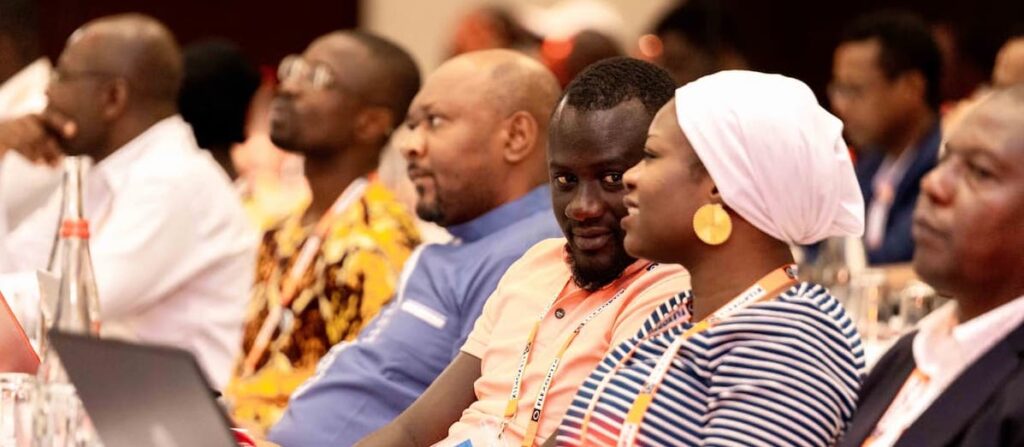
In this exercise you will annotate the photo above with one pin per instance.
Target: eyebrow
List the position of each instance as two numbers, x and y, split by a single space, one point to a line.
608 163
951 149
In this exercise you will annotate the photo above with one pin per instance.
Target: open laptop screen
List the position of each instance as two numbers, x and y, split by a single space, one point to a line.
143 395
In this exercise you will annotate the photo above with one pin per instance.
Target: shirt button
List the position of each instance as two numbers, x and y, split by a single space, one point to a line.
559 313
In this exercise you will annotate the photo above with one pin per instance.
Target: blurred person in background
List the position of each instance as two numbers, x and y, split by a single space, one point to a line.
215 97
24 74
172 249
474 141
1007 70
959 379
567 58
330 264
490 27
885 88
1009 67
698 37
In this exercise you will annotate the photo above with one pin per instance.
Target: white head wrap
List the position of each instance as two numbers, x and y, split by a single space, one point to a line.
777 157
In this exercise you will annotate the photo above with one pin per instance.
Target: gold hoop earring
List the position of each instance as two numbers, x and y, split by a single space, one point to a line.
712 224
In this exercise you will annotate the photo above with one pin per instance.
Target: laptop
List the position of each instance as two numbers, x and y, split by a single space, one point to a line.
18 355
143 395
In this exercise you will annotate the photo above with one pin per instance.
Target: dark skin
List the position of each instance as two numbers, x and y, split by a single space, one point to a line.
595 148
588 154
473 151
443 127
603 145
116 77
669 185
335 128
34 138
891 114
968 218
665 190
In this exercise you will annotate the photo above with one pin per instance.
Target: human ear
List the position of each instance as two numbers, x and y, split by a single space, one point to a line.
521 132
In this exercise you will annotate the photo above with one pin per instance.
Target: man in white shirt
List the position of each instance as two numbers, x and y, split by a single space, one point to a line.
24 73
959 380
172 248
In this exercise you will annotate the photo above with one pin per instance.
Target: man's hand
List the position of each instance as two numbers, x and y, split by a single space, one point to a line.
36 137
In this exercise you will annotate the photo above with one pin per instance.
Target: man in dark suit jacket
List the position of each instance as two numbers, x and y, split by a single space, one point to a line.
896 244
885 88
959 380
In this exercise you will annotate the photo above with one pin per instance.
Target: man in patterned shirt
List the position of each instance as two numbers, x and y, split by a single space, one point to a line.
327 269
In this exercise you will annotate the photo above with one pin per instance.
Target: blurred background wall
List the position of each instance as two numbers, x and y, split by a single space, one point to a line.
793 37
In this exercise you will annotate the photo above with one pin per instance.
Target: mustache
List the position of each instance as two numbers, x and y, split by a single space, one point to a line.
282 103
612 226
416 171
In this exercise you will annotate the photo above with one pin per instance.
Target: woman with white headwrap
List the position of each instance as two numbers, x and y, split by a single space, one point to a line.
738 166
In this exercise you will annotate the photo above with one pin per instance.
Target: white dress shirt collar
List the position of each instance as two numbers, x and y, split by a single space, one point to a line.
116 168
943 348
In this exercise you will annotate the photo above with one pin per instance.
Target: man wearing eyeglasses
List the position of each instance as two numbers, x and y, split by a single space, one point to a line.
474 141
171 245
325 269
885 88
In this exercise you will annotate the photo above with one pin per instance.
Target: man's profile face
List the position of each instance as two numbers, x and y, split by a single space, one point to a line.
315 106
589 151
861 94
452 145
969 221
75 93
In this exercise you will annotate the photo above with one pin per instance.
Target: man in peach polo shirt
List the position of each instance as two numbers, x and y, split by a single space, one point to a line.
566 302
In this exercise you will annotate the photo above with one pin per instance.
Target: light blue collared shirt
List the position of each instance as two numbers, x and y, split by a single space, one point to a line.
362 385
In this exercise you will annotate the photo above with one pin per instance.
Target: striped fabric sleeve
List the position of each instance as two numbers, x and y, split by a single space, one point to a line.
780 375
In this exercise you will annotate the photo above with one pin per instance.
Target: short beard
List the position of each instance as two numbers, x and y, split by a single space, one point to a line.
591 279
432 214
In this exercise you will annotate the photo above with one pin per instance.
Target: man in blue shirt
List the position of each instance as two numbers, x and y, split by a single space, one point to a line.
476 147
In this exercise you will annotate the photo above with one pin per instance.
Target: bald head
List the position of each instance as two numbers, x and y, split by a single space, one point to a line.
507 81
116 77
133 46
478 134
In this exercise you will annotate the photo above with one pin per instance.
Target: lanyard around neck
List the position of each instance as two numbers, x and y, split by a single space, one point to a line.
512 406
767 287
301 265
900 414
315 240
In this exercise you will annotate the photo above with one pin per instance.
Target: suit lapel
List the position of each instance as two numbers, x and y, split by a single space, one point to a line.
925 158
962 401
879 390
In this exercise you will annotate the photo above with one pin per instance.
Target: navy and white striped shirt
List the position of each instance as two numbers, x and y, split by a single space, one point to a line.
783 372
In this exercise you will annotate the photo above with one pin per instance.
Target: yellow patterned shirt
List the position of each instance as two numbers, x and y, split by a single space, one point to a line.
352 277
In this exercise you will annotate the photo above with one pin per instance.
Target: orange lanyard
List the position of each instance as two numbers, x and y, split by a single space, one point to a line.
513 400
304 260
899 415
767 287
